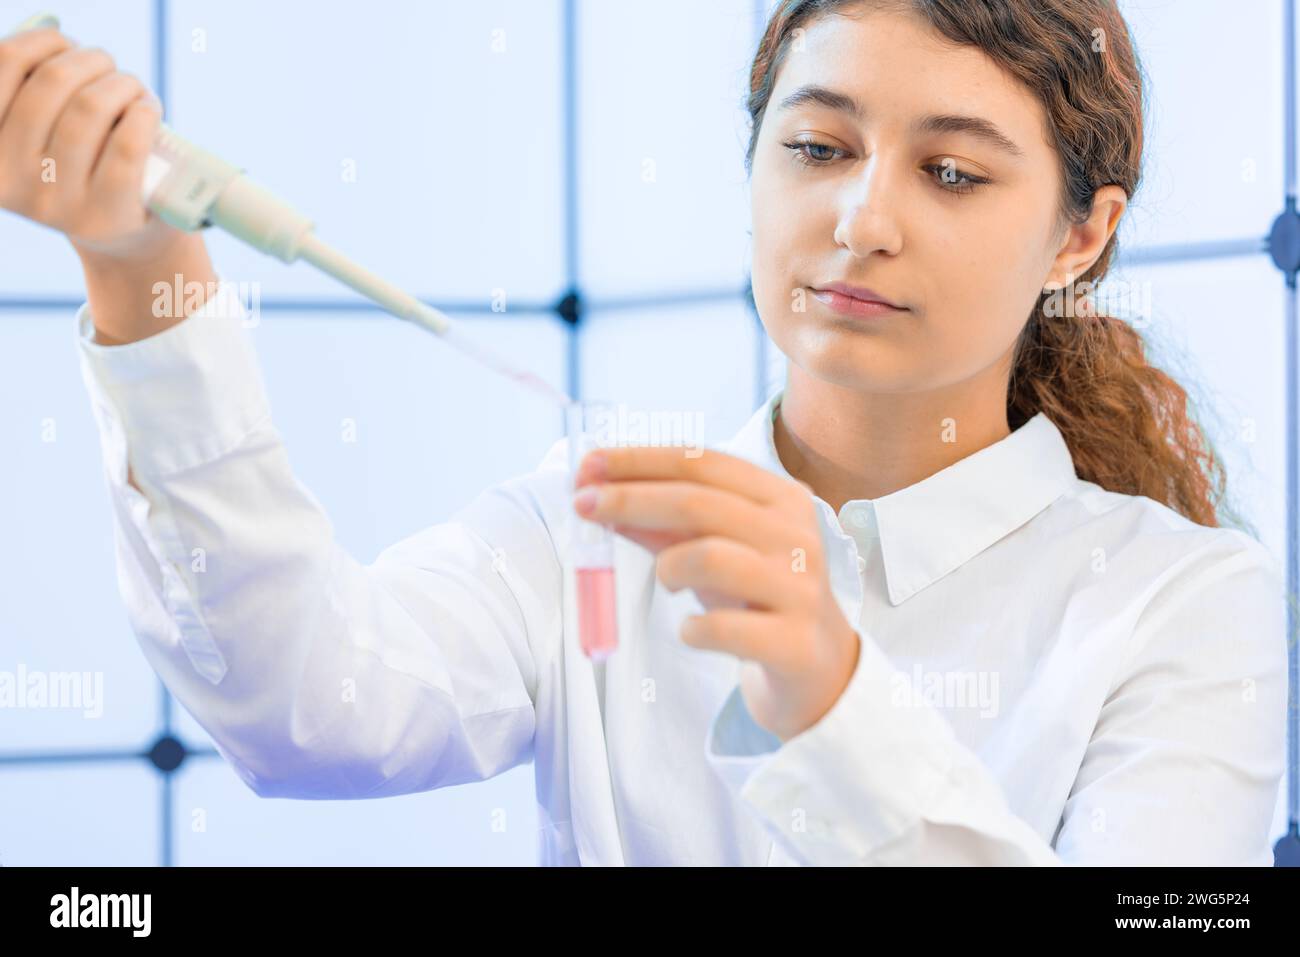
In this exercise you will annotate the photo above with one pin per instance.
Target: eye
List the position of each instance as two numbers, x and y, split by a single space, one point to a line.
950 178
954 180
802 148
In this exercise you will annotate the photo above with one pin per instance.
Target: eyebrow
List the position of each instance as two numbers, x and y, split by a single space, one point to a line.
975 126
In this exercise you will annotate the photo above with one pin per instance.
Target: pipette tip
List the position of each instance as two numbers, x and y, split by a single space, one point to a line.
429 318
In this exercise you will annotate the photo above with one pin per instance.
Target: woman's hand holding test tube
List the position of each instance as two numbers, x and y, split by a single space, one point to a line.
749 544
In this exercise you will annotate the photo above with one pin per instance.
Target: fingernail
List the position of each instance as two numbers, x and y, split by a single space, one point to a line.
585 501
595 465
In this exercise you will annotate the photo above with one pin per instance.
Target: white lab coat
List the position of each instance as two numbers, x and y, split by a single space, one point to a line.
1049 672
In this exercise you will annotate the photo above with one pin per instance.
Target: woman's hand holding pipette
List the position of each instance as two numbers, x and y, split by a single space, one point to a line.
75 134
749 544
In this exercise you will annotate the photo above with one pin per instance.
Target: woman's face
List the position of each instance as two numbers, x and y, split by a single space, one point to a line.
882 201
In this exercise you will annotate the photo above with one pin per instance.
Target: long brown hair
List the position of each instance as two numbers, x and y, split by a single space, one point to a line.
1128 424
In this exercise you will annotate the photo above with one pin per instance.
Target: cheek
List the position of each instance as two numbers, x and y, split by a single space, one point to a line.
989 272
774 248
979 316
776 216
982 285
790 247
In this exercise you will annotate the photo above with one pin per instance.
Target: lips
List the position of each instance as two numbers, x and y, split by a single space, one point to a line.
846 304
860 293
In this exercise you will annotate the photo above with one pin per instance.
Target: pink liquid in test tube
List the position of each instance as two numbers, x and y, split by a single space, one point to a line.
592 548
597 614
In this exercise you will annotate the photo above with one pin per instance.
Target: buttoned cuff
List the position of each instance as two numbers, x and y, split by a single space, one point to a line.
179 398
843 789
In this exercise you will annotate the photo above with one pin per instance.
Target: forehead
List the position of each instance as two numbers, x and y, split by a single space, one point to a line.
898 67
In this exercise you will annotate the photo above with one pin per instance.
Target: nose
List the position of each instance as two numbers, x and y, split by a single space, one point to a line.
868 219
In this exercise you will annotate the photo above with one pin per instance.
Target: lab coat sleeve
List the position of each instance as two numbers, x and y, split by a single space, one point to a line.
316 676
1183 766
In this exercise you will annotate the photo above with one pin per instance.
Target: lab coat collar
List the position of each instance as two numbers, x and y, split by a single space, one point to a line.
934 526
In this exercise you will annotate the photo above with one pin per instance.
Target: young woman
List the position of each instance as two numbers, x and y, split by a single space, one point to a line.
957 594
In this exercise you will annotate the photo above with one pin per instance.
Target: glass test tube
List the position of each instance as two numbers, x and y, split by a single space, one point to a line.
590 424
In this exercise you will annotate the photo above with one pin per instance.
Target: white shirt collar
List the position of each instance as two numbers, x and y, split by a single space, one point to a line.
934 526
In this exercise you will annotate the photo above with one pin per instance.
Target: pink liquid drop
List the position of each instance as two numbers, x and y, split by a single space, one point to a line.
456 337
597 617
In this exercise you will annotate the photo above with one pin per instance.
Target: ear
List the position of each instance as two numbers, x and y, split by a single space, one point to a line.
1083 243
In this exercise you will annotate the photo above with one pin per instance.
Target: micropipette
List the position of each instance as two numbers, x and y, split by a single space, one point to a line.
191 189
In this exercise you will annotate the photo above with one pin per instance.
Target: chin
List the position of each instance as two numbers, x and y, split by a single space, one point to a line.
856 373
863 367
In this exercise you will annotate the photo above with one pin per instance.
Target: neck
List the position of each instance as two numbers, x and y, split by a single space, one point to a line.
849 445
